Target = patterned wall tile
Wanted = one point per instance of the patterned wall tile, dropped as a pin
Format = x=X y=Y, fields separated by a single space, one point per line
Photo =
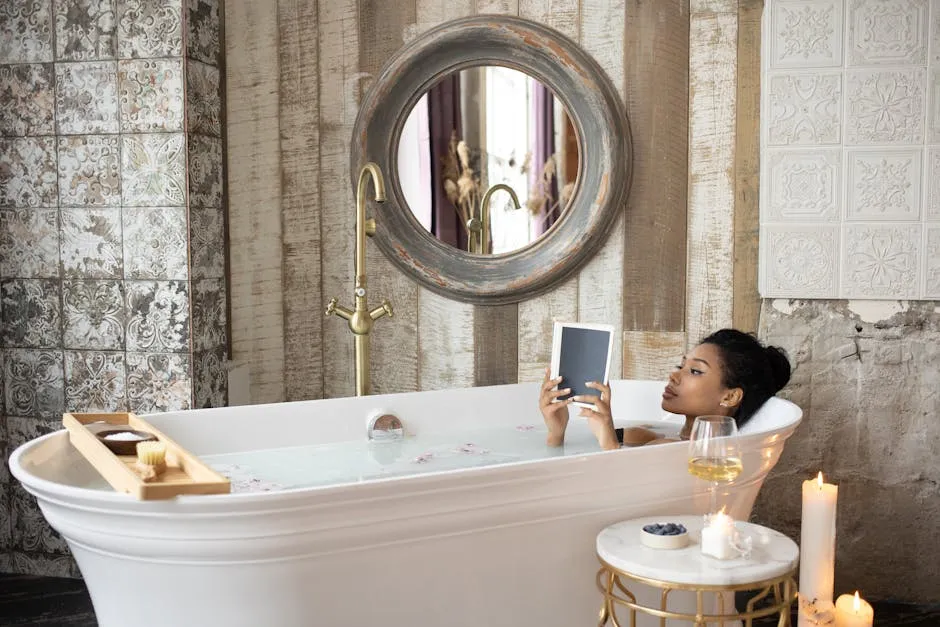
x=887 y=32
x=26 y=31
x=805 y=108
x=33 y=383
x=151 y=94
x=933 y=105
x=202 y=42
x=31 y=531
x=207 y=242
x=31 y=313
x=210 y=379
x=803 y=185
x=95 y=381
x=158 y=382
x=883 y=185
x=208 y=304
x=881 y=260
x=93 y=314
x=29 y=243
x=155 y=243
x=41 y=564
x=86 y=97
x=89 y=171
x=91 y=243
x=149 y=28
x=28 y=98
x=806 y=34
x=932 y=265
x=932 y=169
x=153 y=170
x=158 y=316
x=85 y=30
x=801 y=260
x=203 y=99
x=28 y=172
x=205 y=171
x=885 y=106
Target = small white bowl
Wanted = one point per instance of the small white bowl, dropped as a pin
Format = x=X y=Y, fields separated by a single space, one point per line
x=655 y=541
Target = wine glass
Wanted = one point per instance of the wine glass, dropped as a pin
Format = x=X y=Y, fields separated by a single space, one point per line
x=714 y=454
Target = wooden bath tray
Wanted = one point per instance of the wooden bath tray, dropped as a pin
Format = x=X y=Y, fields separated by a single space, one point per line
x=185 y=473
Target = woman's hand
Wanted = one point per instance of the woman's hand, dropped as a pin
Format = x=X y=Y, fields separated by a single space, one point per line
x=555 y=414
x=599 y=418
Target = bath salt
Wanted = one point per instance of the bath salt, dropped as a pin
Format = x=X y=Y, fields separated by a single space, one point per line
x=123 y=436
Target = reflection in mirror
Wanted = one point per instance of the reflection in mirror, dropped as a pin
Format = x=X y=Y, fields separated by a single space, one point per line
x=488 y=159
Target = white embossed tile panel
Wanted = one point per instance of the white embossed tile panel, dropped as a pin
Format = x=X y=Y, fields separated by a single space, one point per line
x=802 y=260
x=803 y=185
x=807 y=33
x=887 y=32
x=883 y=184
x=850 y=149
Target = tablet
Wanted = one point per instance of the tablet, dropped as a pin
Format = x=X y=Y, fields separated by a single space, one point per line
x=581 y=353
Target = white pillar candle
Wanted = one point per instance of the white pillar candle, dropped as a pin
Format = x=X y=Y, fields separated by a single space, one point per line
x=817 y=552
x=717 y=535
x=852 y=611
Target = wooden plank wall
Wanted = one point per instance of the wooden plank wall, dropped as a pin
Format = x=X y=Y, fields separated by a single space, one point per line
x=665 y=276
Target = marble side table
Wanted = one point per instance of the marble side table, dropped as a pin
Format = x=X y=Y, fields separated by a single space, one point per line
x=625 y=561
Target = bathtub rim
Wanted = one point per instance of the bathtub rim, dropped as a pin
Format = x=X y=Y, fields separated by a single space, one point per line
x=208 y=504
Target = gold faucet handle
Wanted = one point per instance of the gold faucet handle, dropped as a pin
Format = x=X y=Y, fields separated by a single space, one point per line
x=334 y=308
x=370 y=227
x=384 y=310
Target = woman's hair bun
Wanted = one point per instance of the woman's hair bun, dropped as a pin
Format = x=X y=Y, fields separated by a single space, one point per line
x=779 y=366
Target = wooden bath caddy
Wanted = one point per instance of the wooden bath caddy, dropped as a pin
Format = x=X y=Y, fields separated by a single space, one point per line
x=185 y=473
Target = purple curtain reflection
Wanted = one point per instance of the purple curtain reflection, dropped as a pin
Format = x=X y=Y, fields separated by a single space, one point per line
x=542 y=130
x=444 y=120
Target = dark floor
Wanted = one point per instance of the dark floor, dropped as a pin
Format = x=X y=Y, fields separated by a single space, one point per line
x=26 y=600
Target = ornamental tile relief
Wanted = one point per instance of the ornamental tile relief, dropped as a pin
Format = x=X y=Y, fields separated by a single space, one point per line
x=850 y=149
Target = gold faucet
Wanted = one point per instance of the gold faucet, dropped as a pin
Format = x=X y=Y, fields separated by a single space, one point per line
x=483 y=228
x=361 y=319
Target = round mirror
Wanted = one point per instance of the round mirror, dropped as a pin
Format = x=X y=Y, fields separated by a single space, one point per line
x=488 y=159
x=476 y=114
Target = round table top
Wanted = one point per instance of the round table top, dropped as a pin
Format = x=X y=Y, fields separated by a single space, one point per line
x=772 y=554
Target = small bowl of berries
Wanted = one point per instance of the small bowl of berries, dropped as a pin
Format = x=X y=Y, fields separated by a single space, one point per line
x=664 y=535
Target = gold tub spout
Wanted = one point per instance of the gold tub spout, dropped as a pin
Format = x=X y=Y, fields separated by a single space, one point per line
x=361 y=319
x=485 y=235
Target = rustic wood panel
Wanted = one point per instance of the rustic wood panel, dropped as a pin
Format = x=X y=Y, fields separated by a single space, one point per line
x=339 y=76
x=496 y=329
x=599 y=298
x=254 y=173
x=300 y=210
x=656 y=72
x=446 y=356
x=536 y=315
x=394 y=351
x=651 y=354
x=747 y=300
x=713 y=40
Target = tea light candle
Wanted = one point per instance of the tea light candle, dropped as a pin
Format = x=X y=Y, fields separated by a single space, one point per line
x=852 y=611
x=817 y=551
x=717 y=535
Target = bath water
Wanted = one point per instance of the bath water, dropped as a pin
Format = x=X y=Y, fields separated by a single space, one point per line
x=358 y=461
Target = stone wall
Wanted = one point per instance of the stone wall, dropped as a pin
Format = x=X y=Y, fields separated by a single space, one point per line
x=868 y=379
x=112 y=253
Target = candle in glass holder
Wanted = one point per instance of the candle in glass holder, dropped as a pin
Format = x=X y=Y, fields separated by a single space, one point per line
x=717 y=536
x=852 y=611
x=817 y=551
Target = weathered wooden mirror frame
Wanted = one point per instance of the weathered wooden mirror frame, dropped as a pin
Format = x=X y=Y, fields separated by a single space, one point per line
x=604 y=143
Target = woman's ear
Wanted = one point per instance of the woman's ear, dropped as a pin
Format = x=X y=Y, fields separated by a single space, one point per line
x=732 y=398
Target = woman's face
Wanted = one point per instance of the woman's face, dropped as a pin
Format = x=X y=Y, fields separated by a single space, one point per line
x=694 y=387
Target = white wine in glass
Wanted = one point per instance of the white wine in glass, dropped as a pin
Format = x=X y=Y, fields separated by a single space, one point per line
x=713 y=452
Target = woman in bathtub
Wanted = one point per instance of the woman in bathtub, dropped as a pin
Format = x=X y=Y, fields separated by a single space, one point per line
x=730 y=373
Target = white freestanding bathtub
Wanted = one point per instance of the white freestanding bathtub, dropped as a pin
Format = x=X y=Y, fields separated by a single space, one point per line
x=389 y=538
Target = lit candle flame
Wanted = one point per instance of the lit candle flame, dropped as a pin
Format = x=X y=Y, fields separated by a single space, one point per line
x=856 y=605
x=819 y=481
